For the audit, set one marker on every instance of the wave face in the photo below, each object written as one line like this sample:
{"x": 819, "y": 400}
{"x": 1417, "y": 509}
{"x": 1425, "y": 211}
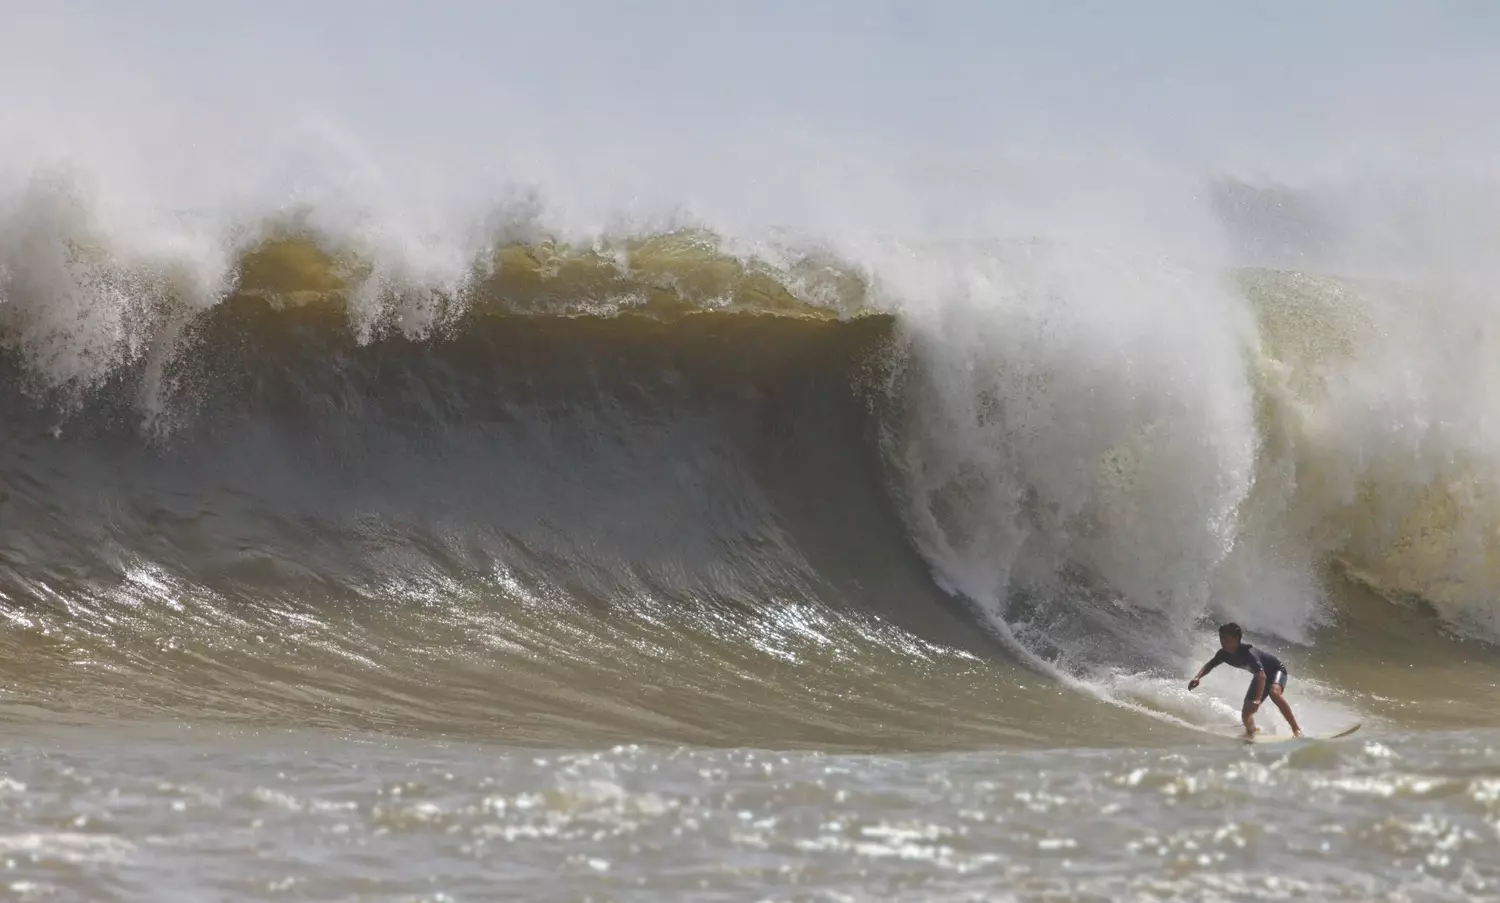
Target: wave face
{"x": 1105, "y": 453}
{"x": 674, "y": 485}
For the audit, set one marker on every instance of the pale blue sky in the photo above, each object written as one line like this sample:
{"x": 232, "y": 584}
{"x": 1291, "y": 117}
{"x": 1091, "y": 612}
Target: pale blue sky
{"x": 1163, "y": 73}
{"x": 756, "y": 108}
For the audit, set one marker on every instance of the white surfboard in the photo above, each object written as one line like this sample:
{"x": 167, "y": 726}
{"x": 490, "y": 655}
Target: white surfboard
{"x": 1282, "y": 738}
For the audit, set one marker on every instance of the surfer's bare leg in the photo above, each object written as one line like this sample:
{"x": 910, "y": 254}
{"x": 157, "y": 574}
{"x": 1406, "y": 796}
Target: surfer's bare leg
{"x": 1286, "y": 709}
{"x": 1248, "y": 716}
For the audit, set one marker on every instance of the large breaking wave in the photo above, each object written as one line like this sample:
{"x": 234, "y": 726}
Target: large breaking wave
{"x": 857, "y": 458}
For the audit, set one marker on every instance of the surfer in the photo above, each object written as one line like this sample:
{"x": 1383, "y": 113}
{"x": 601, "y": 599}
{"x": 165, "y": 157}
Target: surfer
{"x": 1270, "y": 676}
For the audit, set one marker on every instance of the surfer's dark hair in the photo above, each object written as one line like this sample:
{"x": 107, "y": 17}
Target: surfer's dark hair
{"x": 1231, "y": 629}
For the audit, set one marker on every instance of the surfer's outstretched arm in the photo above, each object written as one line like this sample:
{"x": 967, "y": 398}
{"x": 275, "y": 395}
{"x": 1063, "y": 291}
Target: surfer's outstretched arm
{"x": 1207, "y": 667}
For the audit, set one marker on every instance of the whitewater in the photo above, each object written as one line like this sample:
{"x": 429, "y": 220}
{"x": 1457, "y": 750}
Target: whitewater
{"x": 653, "y": 487}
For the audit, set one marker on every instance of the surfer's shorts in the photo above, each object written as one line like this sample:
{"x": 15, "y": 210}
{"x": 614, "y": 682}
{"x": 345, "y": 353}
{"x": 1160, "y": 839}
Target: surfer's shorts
{"x": 1279, "y": 678}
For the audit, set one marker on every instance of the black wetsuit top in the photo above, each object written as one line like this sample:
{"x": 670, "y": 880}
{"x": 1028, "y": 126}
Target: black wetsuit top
{"x": 1247, "y": 658}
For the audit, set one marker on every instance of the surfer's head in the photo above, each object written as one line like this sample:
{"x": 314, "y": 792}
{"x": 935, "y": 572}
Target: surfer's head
{"x": 1229, "y": 636}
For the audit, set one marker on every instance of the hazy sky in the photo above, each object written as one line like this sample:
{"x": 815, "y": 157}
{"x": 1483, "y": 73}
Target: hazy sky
{"x": 800, "y": 96}
{"x": 1163, "y": 73}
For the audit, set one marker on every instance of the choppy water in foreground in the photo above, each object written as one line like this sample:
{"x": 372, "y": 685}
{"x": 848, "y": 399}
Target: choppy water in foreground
{"x": 101, "y": 812}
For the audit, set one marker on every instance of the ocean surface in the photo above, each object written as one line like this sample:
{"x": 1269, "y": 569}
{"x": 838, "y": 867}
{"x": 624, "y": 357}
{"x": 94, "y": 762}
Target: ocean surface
{"x": 458, "y": 455}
